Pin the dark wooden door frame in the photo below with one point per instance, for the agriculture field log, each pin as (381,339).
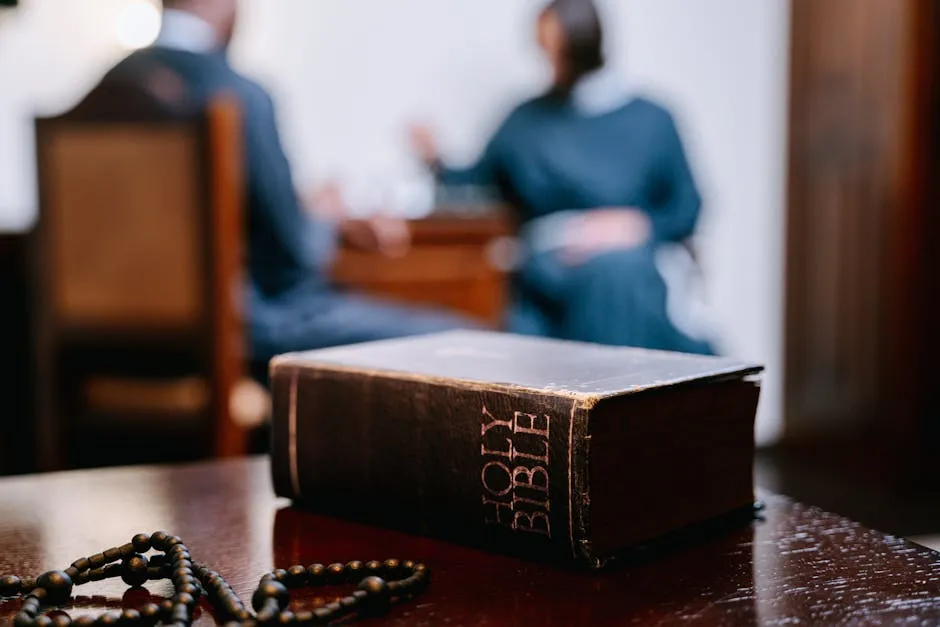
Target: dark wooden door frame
(862,249)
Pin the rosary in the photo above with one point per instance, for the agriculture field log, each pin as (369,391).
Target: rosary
(380,584)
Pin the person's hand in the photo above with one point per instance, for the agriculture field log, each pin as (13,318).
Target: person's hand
(383,234)
(603,230)
(325,201)
(424,143)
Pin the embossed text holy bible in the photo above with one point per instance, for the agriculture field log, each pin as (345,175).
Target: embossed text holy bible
(555,450)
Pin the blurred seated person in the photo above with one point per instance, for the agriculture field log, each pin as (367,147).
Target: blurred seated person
(291,302)
(601,181)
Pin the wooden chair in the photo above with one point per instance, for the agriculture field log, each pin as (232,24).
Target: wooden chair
(139,270)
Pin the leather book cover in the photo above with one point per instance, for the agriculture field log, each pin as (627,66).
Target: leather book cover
(554,450)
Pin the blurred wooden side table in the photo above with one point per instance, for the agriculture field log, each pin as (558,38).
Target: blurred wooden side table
(457,261)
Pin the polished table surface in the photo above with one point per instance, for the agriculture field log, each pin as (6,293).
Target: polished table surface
(798,565)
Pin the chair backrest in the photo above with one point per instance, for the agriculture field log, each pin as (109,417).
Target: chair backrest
(139,212)
(140,231)
(124,224)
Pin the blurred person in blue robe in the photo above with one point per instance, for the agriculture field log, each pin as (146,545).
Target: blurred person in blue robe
(603,191)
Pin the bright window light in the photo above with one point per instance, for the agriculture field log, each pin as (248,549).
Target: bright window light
(138,24)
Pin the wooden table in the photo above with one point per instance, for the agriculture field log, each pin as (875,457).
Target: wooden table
(454,262)
(799,565)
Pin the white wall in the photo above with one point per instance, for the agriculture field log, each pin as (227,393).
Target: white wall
(350,74)
(50,52)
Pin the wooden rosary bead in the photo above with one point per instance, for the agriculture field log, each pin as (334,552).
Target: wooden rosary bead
(336,574)
(29,612)
(268,611)
(180,614)
(374,567)
(183,575)
(113,553)
(157,539)
(83,621)
(220,592)
(192,589)
(185,599)
(134,570)
(109,619)
(270,590)
(150,611)
(379,596)
(279,574)
(422,569)
(10,585)
(355,571)
(58,586)
(61,620)
(177,550)
(130,616)
(97,560)
(81,565)
(296,576)
(141,543)
(316,574)
(392,568)
(237,611)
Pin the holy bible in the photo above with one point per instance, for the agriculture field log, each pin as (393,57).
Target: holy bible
(553,450)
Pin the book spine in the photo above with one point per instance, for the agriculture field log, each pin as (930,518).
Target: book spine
(497,469)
